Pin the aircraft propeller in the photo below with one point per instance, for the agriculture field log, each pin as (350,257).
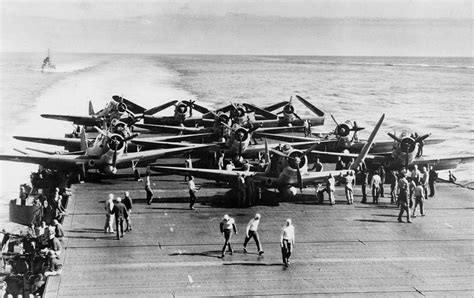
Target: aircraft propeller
(298,160)
(343,129)
(289,109)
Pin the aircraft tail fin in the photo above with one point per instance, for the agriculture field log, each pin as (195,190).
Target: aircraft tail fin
(83,139)
(365,150)
(91,109)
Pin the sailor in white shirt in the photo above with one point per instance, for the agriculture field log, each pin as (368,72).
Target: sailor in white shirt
(252,228)
(287,241)
(227,225)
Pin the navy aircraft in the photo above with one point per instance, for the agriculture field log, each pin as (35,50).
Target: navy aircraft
(405,153)
(287,169)
(119,108)
(106,154)
(341,140)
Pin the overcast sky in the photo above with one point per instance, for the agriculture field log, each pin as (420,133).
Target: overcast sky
(355,27)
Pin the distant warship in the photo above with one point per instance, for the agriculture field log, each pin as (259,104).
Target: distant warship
(47,64)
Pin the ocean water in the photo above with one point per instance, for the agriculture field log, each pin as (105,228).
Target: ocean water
(427,95)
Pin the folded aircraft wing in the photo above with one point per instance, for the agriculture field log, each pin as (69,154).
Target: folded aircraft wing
(65,142)
(53,161)
(171,128)
(78,120)
(133,107)
(209,174)
(152,155)
(442,163)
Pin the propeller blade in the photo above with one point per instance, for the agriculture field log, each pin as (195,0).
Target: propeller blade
(296,115)
(310,149)
(334,119)
(420,139)
(131,137)
(394,137)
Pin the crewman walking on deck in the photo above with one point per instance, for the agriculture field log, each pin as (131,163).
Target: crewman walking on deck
(149,192)
(109,217)
(287,241)
(127,201)
(403,198)
(375,186)
(120,212)
(252,228)
(226,226)
(432,181)
(192,192)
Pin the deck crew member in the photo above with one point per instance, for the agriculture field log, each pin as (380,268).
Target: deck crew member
(420,196)
(452,178)
(252,228)
(226,226)
(330,189)
(120,212)
(58,230)
(109,204)
(318,166)
(364,177)
(241,191)
(192,192)
(403,198)
(393,186)
(188,164)
(425,176)
(349,187)
(149,192)
(382,180)
(220,161)
(340,164)
(127,201)
(415,174)
(375,186)
(432,181)
(287,241)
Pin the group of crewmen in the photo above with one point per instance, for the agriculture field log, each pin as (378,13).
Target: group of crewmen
(407,189)
(118,210)
(287,237)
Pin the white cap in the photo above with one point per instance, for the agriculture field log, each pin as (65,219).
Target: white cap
(257,216)
(226,217)
(119,199)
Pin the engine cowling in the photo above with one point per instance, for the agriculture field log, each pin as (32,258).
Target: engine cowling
(116,142)
(181,108)
(343,130)
(407,145)
(296,159)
